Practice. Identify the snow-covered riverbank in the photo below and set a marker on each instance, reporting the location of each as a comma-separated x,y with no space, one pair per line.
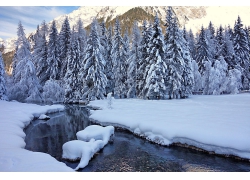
214,123
14,117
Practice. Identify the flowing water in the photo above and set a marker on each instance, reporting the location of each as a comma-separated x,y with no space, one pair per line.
127,153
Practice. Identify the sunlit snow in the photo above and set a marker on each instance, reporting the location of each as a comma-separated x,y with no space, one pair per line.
14,117
213,123
90,140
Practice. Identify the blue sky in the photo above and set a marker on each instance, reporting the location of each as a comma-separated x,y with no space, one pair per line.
30,16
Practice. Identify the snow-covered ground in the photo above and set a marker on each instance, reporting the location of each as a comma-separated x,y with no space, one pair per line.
213,123
14,116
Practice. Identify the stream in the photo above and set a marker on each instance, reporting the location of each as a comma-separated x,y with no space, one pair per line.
128,153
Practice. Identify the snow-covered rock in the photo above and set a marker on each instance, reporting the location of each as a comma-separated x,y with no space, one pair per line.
90,140
44,117
96,132
77,149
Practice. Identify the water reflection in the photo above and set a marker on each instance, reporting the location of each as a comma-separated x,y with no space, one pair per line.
49,136
126,153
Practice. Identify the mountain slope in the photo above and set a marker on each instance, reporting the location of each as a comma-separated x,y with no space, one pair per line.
193,17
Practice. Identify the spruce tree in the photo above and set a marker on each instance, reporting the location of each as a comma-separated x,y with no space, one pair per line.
142,62
72,81
241,49
3,92
211,42
179,80
40,56
228,50
125,54
64,47
109,65
156,69
53,60
26,84
133,64
81,37
93,70
191,43
219,43
118,69
202,55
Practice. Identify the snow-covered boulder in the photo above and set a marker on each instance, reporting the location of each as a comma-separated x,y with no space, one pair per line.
77,149
96,132
44,117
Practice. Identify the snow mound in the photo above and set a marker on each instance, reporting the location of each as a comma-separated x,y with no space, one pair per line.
44,117
77,149
96,132
90,140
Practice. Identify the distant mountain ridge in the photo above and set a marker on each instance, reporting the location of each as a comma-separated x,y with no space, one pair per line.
109,13
193,17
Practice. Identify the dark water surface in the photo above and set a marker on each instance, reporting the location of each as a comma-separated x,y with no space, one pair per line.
126,153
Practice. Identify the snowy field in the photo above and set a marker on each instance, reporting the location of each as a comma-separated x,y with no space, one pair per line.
213,123
14,117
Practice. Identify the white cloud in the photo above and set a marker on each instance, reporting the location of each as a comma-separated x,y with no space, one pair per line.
30,16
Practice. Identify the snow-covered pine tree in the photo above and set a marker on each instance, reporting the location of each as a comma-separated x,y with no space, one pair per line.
219,43
37,37
208,78
3,92
188,77
81,36
109,65
125,54
142,62
44,28
93,71
156,69
241,49
104,40
64,47
179,80
118,69
197,86
40,55
191,43
53,60
133,64
26,84
202,53
228,51
211,42
72,83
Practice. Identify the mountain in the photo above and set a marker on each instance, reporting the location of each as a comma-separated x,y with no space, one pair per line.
191,16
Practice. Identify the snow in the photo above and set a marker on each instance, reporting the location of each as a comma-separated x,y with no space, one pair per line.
213,123
77,149
90,140
96,132
14,116
43,116
220,15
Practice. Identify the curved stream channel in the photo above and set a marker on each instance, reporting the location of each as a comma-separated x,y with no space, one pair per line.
126,153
